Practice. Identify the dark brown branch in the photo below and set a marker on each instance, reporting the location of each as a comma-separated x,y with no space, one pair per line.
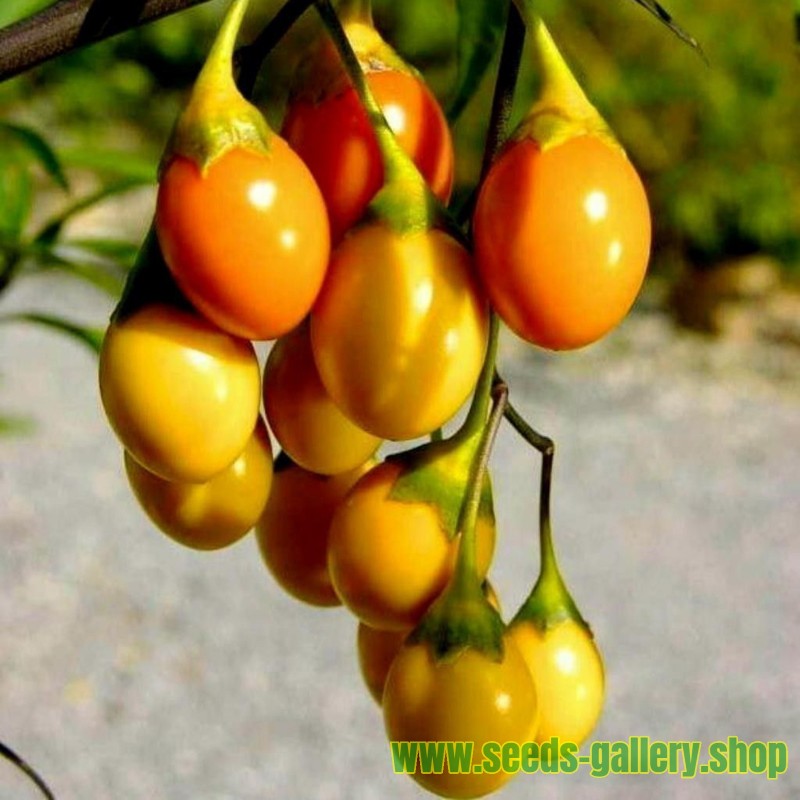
250,58
19,762
69,24
502,102
508,74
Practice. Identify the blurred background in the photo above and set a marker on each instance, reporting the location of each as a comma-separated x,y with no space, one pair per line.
130,668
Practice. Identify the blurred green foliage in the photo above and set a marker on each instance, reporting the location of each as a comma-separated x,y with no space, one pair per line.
717,143
31,246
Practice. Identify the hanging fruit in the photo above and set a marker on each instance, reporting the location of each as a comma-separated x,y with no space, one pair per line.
562,223
240,219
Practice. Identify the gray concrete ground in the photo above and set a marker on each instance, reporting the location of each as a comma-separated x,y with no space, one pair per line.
131,669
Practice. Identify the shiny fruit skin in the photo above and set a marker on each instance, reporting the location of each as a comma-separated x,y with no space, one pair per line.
311,429
335,140
399,331
469,699
182,396
249,241
389,559
292,534
568,672
212,515
378,648
562,240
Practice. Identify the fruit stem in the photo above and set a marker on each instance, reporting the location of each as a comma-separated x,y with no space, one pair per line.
479,408
216,74
507,76
359,11
549,601
559,89
562,111
217,117
405,202
466,577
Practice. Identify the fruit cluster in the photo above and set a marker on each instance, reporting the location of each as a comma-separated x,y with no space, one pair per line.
333,240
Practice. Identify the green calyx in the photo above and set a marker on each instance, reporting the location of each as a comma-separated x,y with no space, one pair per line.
562,111
549,604
437,473
149,282
217,117
462,618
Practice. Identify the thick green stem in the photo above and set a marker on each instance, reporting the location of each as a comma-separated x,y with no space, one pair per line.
559,87
356,11
476,416
466,573
562,110
217,117
216,76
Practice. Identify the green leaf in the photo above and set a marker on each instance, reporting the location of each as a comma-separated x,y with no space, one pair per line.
480,29
15,10
16,198
118,250
38,147
102,273
51,231
112,163
660,13
107,279
91,337
15,425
